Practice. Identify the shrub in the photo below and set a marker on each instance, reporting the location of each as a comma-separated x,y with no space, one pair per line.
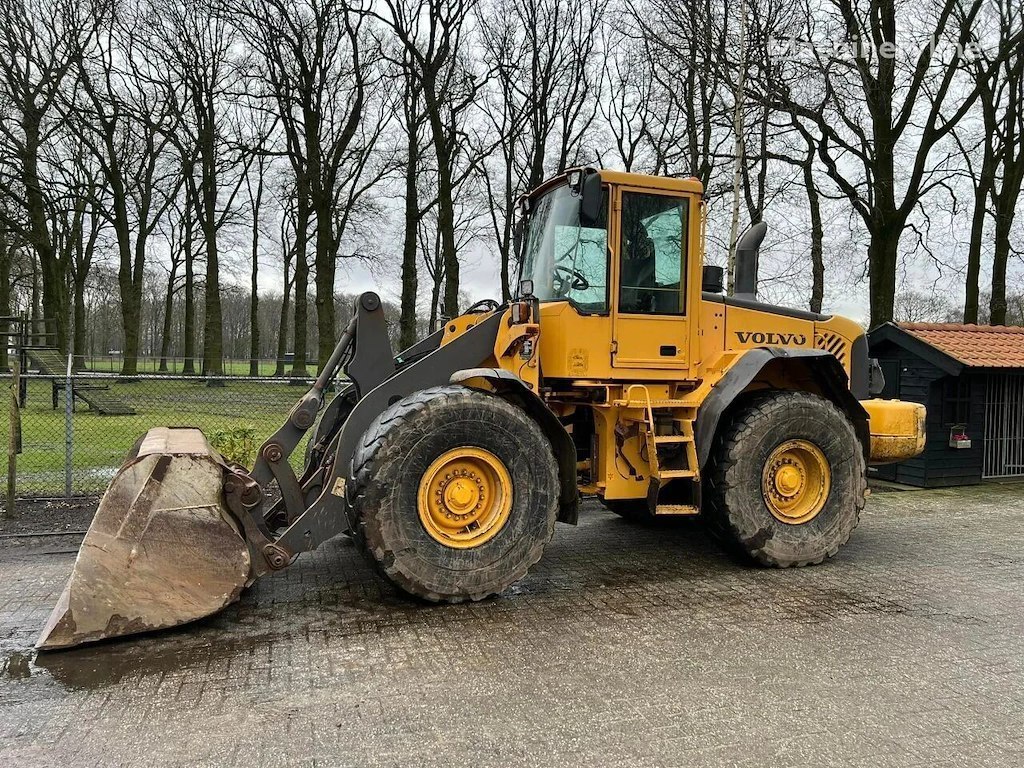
237,444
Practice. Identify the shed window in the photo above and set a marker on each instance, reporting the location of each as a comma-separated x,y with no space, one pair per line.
956,400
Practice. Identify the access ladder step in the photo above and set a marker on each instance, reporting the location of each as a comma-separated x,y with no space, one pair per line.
673,438
676,509
672,474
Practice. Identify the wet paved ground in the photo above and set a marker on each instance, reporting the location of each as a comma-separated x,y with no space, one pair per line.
626,646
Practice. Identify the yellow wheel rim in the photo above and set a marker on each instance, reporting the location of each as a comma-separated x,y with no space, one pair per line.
795,481
465,497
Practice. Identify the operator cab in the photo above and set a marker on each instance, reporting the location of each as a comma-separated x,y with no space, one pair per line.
565,252
622,246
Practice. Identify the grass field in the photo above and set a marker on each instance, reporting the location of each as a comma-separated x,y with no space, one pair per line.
113,363
100,443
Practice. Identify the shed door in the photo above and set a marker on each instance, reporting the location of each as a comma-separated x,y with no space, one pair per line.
891,377
1004,426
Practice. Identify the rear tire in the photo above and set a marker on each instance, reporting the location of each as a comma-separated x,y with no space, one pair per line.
394,470
787,480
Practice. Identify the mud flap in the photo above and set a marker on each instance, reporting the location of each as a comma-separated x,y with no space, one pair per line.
162,550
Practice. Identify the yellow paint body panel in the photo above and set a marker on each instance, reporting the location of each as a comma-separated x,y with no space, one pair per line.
644,376
897,430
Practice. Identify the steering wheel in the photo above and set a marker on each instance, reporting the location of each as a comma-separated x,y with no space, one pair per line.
484,305
567,278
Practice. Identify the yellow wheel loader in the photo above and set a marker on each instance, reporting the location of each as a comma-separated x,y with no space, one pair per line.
619,371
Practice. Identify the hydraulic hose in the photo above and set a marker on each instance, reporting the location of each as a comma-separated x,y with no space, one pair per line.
330,369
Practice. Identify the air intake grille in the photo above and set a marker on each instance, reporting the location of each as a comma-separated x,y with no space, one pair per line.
832,343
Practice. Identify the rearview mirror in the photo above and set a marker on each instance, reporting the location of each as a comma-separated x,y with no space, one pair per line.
590,199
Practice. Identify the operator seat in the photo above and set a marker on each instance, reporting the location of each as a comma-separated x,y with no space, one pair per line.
638,273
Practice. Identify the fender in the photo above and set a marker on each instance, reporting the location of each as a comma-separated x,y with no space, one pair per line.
511,387
365,375
328,515
821,367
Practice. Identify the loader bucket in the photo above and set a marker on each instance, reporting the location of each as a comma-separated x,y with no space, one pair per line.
162,550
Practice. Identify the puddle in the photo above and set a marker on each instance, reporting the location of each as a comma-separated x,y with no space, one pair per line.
175,651
17,666
107,664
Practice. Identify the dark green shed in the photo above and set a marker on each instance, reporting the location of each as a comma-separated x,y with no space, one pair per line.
971,379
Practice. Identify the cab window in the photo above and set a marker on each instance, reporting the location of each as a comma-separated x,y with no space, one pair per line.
565,259
581,263
652,253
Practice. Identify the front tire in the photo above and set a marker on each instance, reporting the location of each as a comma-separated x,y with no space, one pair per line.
454,493
787,479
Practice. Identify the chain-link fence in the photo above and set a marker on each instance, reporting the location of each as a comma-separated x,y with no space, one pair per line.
75,433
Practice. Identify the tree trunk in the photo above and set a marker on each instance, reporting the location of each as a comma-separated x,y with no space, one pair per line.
435,294
506,244
165,336
301,289
254,319
882,255
407,321
189,330
55,305
449,254
438,276
445,201
1000,255
981,192
78,342
35,305
254,296
326,267
52,269
282,333
301,316
129,286
817,236
213,328
6,257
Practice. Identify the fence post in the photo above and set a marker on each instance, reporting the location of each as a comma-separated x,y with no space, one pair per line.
69,400
14,436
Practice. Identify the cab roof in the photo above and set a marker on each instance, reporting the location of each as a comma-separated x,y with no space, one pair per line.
687,184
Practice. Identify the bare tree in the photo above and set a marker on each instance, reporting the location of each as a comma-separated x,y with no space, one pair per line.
79,225
542,102
199,50
316,64
40,43
289,240
128,121
686,48
412,120
1002,103
879,112
172,229
433,34
255,188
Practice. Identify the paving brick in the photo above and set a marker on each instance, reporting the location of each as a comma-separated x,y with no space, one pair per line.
626,645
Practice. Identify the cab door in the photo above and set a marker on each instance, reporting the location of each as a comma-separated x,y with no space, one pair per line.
651,326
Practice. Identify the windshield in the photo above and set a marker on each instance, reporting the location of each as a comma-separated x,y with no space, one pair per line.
564,259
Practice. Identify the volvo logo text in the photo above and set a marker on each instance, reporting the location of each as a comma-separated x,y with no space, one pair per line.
772,339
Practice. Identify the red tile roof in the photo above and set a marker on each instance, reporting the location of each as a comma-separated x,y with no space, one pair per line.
980,346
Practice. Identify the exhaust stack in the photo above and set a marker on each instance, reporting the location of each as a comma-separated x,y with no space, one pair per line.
747,247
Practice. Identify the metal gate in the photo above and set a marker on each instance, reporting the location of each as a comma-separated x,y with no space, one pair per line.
1004,426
